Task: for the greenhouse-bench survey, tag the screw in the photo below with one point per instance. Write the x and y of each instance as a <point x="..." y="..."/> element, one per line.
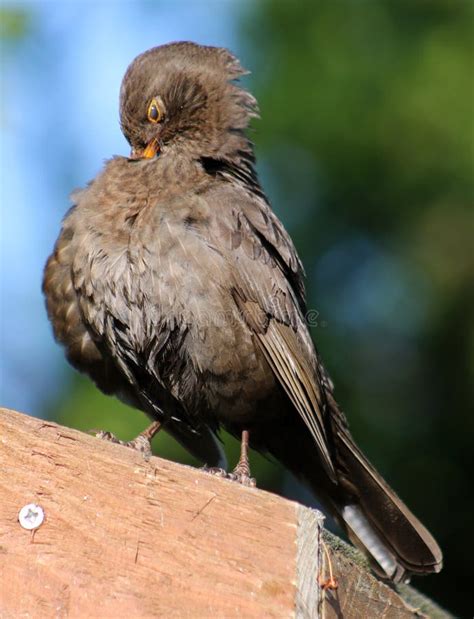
<point x="31" y="516"/>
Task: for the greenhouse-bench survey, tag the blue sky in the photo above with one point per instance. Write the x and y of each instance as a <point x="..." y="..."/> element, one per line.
<point x="59" y="120"/>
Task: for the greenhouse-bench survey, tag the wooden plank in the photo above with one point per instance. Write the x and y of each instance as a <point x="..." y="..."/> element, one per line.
<point x="126" y="537"/>
<point x="123" y="537"/>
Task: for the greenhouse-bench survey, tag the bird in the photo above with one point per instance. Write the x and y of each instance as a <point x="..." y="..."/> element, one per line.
<point x="174" y="286"/>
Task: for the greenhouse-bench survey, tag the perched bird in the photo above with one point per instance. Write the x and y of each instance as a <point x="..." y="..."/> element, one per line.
<point x="174" y="286"/>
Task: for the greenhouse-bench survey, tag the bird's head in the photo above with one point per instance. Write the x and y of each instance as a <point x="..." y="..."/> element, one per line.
<point x="182" y="96"/>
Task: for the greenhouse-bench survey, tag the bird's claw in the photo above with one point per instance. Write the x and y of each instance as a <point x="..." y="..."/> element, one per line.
<point x="238" y="475"/>
<point x="140" y="443"/>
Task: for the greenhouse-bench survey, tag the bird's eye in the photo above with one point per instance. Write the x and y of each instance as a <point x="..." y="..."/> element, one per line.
<point x="155" y="112"/>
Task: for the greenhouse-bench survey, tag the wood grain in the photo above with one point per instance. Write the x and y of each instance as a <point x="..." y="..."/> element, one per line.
<point x="123" y="537"/>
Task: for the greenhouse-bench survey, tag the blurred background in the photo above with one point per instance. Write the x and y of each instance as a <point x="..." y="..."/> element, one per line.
<point x="366" y="150"/>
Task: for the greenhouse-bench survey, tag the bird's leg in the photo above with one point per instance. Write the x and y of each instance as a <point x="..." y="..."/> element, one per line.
<point x="241" y="473"/>
<point x="141" y="443"/>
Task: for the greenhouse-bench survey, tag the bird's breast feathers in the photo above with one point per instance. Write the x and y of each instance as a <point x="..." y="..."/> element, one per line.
<point x="143" y="261"/>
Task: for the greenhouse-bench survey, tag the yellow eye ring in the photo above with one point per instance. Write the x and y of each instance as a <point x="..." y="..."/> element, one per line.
<point x="155" y="111"/>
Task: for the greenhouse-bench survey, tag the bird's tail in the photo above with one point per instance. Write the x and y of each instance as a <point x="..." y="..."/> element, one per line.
<point x="370" y="512"/>
<point x="379" y="520"/>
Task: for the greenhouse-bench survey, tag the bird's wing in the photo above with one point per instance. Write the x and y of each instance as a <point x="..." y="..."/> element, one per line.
<point x="268" y="289"/>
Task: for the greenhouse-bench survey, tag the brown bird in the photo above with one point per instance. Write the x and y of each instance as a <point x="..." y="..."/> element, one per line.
<point x="174" y="286"/>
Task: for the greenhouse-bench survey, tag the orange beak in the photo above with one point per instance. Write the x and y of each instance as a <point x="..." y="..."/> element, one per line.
<point x="150" y="150"/>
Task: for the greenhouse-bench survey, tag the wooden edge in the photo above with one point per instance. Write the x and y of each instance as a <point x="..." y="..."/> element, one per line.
<point x="349" y="563"/>
<point x="308" y="562"/>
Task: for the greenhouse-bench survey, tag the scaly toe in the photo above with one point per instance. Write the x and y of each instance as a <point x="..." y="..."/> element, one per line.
<point x="140" y="444"/>
<point x="105" y="436"/>
<point x="240" y="476"/>
<point x="216" y="471"/>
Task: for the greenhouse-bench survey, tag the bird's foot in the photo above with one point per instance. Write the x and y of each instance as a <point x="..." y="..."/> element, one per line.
<point x="241" y="473"/>
<point x="216" y="471"/>
<point x="142" y="443"/>
<point x="240" y="476"/>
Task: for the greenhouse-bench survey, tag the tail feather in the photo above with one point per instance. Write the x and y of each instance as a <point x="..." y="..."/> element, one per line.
<point x="373" y="516"/>
<point x="362" y="534"/>
<point x="390" y="519"/>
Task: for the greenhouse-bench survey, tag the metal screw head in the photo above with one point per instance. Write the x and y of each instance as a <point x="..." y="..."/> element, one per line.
<point x="31" y="516"/>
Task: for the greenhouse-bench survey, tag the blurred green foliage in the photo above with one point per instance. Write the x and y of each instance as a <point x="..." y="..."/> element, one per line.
<point x="14" y="23"/>
<point x="366" y="150"/>
<point x="367" y="135"/>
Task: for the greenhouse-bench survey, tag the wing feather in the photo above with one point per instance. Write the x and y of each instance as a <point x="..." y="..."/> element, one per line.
<point x="269" y="292"/>
<point x="299" y="383"/>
